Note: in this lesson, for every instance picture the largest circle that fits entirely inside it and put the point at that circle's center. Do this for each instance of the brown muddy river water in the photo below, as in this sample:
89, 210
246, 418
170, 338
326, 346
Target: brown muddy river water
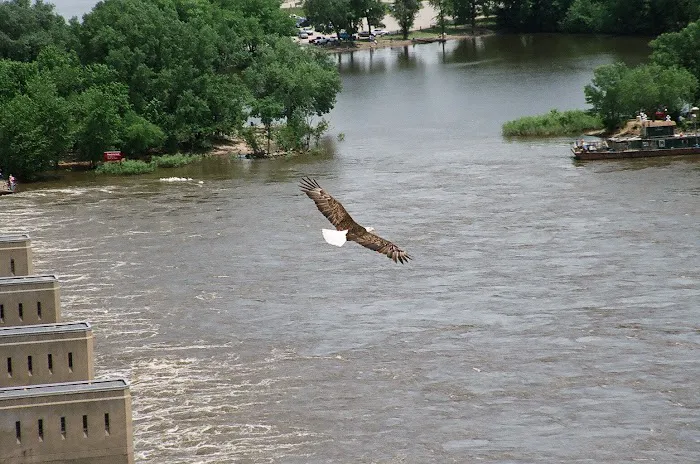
550, 314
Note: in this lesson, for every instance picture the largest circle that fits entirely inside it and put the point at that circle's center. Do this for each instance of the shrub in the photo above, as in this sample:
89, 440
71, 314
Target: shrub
553, 123
126, 168
174, 161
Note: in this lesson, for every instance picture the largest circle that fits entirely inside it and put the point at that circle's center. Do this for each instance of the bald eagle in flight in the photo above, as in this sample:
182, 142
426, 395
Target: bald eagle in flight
346, 227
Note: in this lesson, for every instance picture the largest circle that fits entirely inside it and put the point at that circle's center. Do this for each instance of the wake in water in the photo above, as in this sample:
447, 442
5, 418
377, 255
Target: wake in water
179, 179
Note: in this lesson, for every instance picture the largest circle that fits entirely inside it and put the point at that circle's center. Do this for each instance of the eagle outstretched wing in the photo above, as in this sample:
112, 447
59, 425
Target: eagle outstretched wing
327, 205
385, 247
339, 217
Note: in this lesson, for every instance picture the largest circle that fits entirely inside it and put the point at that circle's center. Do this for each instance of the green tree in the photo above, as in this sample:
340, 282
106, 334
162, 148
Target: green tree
604, 93
336, 13
466, 11
405, 11
22, 145
650, 87
99, 113
443, 8
618, 92
34, 129
139, 135
584, 16
63, 68
673, 15
292, 84
26, 28
269, 109
512, 14
372, 11
629, 16
146, 74
14, 76
271, 18
182, 60
640, 17
679, 49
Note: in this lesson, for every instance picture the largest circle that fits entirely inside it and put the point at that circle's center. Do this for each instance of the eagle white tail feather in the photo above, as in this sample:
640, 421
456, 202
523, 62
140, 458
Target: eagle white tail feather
335, 237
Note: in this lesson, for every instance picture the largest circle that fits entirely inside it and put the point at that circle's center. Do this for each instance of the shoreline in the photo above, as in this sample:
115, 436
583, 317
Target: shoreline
359, 45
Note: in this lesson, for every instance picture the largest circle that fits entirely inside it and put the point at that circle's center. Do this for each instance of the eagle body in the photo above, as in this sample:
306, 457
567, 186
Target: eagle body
334, 211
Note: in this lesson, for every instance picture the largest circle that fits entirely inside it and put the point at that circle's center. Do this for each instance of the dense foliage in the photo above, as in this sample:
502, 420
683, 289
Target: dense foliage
619, 17
681, 49
282, 90
347, 15
618, 92
639, 17
147, 76
26, 29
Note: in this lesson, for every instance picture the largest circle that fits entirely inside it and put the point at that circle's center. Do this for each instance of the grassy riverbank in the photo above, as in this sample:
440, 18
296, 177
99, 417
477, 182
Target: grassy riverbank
554, 123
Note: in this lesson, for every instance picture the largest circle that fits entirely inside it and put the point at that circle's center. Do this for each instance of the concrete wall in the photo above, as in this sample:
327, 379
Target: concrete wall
54, 352
29, 300
21, 409
15, 256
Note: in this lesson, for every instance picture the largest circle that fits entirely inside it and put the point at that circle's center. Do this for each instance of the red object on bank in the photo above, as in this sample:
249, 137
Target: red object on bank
113, 156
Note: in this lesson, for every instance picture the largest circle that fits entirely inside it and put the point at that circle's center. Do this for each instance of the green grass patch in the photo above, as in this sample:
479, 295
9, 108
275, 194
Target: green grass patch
174, 161
554, 123
126, 168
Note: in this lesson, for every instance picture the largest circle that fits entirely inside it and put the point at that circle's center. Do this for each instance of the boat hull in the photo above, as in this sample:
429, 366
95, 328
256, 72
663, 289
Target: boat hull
5, 188
584, 155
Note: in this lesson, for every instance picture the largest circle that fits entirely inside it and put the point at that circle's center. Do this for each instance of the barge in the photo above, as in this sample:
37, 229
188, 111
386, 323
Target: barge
656, 138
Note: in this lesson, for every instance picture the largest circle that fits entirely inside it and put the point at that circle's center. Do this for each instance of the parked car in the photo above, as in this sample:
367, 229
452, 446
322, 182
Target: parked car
320, 40
303, 35
380, 32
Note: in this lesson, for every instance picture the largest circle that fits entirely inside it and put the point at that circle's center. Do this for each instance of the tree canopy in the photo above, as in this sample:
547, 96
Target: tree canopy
26, 28
618, 92
679, 49
405, 11
620, 17
344, 14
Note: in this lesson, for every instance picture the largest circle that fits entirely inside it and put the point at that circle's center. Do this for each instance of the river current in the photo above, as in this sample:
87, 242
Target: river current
550, 313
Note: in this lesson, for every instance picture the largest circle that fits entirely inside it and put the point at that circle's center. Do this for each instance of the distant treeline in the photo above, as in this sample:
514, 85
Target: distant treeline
618, 17
152, 76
